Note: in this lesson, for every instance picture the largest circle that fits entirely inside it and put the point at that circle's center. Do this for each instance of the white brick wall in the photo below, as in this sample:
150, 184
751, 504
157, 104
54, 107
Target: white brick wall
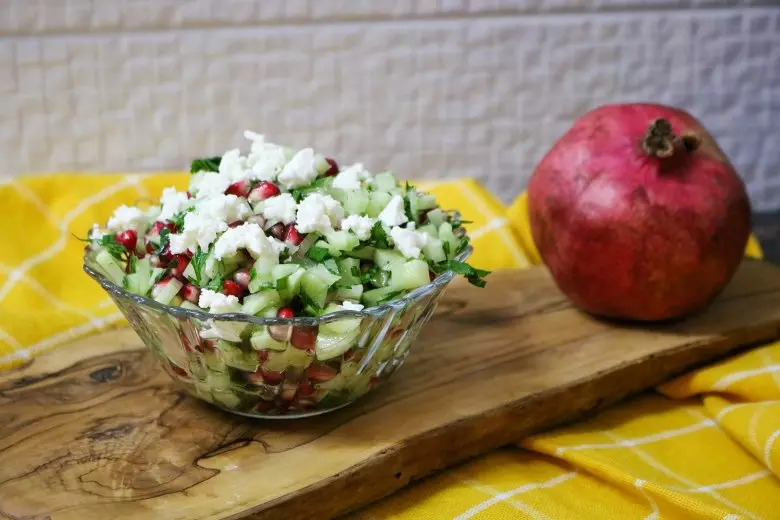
430, 88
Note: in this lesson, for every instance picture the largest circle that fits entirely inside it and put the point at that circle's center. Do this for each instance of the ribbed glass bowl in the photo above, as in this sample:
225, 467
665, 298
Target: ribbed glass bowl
358, 350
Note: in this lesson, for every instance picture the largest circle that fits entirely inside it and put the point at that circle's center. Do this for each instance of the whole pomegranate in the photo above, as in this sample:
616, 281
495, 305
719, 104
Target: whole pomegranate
638, 214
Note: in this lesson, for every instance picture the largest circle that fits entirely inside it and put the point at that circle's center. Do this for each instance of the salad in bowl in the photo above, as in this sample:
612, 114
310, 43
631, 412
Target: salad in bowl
280, 284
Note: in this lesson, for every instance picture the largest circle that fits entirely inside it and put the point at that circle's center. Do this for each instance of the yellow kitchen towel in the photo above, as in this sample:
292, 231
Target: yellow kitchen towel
706, 446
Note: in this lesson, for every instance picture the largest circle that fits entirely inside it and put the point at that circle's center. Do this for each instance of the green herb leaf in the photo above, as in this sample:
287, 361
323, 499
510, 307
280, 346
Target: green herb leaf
456, 221
355, 271
463, 242
205, 164
164, 239
132, 263
215, 284
198, 262
318, 254
178, 219
379, 236
446, 246
125, 283
473, 275
110, 244
282, 283
308, 304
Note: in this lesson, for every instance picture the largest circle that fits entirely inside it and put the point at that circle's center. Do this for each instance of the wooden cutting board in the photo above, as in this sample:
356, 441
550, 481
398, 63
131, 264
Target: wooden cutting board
96, 431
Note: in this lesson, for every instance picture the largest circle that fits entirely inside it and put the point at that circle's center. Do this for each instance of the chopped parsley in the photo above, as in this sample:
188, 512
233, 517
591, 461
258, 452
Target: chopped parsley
110, 244
473, 275
215, 284
178, 219
456, 221
206, 164
378, 236
164, 239
198, 263
318, 254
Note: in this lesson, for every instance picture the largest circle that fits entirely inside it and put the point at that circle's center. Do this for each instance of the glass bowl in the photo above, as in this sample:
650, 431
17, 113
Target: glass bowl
278, 367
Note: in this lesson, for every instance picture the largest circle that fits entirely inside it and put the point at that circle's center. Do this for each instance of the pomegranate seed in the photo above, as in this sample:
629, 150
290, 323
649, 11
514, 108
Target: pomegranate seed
241, 277
334, 168
431, 275
231, 288
285, 313
277, 231
149, 247
159, 225
179, 264
128, 239
262, 355
179, 371
262, 406
291, 235
305, 388
239, 189
236, 223
349, 354
272, 378
189, 195
264, 190
320, 372
208, 345
303, 338
190, 293
155, 261
255, 378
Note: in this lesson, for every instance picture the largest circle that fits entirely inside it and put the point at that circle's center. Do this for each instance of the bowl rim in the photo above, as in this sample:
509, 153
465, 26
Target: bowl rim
114, 290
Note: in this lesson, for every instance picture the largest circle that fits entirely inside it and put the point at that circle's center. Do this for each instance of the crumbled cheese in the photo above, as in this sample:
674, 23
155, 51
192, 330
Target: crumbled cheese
218, 303
232, 166
350, 306
95, 233
318, 214
210, 218
281, 208
393, 214
211, 184
247, 236
351, 178
173, 202
127, 217
361, 226
300, 171
408, 241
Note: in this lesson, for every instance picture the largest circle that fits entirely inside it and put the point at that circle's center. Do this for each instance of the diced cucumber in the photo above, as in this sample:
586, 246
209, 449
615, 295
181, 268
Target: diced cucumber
374, 296
211, 268
410, 275
353, 292
446, 234
262, 274
254, 303
356, 202
189, 272
429, 229
276, 361
387, 258
338, 327
226, 398
385, 181
219, 381
330, 346
111, 266
343, 240
189, 306
436, 217
434, 250
379, 199
165, 293
297, 358
283, 270
350, 270
214, 362
290, 285
237, 358
315, 288
262, 340
426, 201
364, 253
143, 273
132, 283
324, 274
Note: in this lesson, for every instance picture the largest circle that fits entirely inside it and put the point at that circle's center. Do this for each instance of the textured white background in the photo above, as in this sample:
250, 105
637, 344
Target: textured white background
429, 88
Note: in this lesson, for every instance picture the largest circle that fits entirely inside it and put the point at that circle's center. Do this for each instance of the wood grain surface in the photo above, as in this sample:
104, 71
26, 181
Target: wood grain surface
97, 431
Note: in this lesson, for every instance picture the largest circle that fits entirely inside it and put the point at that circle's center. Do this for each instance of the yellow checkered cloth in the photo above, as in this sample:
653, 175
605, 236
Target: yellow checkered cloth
704, 446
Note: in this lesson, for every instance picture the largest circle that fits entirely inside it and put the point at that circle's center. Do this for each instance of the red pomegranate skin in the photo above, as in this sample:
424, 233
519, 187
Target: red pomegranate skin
629, 235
